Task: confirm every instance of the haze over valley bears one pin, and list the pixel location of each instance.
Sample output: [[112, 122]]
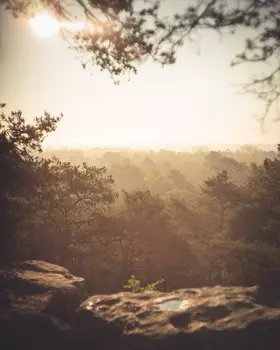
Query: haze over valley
[[139, 174]]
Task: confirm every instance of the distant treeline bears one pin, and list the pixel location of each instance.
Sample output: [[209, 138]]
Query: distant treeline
[[194, 219]]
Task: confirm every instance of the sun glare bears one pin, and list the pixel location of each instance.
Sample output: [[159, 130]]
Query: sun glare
[[44, 25]]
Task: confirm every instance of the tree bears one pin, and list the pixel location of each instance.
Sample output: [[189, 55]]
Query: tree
[[224, 191], [69, 203], [177, 178], [127, 176], [19, 143], [147, 243], [189, 222], [130, 32], [218, 162], [48, 207], [264, 208], [257, 219], [121, 37], [149, 167]]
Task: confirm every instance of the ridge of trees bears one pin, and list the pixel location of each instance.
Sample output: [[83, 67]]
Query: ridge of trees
[[192, 219]]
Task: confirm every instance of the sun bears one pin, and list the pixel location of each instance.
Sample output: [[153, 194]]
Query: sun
[[44, 25]]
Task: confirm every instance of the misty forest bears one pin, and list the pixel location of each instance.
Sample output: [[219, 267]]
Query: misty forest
[[194, 219], [187, 219]]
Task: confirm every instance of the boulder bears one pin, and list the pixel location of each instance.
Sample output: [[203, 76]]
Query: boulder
[[212, 318], [41, 308], [37, 306]]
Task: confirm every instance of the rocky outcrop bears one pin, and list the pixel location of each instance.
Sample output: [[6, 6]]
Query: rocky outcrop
[[40, 309], [37, 306], [214, 318]]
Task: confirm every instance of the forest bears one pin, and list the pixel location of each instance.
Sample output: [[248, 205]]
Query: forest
[[200, 218], [194, 219]]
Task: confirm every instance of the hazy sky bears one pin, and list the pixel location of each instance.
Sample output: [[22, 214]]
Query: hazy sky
[[196, 101]]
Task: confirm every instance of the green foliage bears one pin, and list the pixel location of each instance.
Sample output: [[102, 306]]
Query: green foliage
[[135, 286]]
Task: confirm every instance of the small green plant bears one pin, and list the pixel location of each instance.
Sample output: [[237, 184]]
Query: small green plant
[[135, 286]]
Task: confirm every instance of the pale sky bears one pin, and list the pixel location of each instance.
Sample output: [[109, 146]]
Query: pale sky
[[195, 101]]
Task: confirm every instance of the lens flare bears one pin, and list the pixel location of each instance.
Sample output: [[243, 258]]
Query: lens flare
[[44, 25]]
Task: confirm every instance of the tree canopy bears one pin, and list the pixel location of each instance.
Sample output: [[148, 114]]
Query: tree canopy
[[128, 32], [167, 222]]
